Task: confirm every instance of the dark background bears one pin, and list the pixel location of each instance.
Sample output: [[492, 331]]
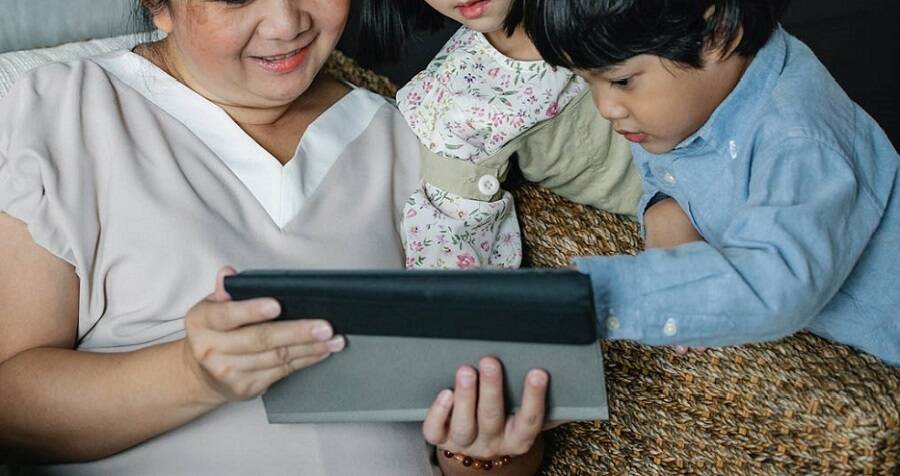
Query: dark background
[[857, 40]]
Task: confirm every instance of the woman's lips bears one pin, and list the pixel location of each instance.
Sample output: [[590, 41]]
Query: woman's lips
[[473, 9], [636, 137], [281, 64]]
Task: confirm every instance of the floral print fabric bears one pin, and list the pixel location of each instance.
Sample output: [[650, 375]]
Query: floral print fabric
[[471, 100], [444, 231], [466, 105]]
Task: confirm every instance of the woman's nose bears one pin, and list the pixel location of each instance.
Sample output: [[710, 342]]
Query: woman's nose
[[283, 20]]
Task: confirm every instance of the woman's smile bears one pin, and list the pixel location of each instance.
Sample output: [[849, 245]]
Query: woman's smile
[[281, 63]]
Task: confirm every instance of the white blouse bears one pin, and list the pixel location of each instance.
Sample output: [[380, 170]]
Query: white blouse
[[147, 189]]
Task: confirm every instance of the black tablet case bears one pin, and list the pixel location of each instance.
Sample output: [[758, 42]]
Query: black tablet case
[[407, 331]]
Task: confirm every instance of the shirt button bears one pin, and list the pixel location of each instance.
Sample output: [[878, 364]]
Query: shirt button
[[732, 149], [488, 185], [670, 329], [612, 323], [669, 178]]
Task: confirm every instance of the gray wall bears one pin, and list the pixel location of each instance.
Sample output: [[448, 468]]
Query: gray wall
[[27, 24]]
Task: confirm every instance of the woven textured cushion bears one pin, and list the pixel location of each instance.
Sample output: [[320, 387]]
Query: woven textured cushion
[[802, 405]]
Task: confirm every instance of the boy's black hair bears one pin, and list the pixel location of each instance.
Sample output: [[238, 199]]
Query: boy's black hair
[[595, 34]]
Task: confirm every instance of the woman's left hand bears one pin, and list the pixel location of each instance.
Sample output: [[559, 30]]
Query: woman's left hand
[[472, 419]]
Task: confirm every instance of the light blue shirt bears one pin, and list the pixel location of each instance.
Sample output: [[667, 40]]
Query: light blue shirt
[[795, 190]]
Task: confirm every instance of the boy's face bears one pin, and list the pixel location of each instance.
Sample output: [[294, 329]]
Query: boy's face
[[657, 103], [486, 16]]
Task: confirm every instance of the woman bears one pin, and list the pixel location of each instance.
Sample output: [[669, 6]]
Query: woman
[[150, 170]]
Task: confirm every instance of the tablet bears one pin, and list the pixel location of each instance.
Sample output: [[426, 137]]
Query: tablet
[[408, 331], [541, 306]]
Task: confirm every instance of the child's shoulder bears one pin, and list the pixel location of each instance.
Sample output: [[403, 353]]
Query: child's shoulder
[[806, 103]]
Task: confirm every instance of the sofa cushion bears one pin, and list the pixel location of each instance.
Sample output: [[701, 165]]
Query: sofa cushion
[[30, 24]]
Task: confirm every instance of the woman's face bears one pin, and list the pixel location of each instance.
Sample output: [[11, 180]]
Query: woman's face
[[251, 53]]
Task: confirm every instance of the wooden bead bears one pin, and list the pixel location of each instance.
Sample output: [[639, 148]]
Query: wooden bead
[[448, 454], [477, 464], [467, 461], [487, 466], [506, 459]]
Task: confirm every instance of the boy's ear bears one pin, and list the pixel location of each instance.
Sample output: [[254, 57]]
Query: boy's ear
[[716, 48]]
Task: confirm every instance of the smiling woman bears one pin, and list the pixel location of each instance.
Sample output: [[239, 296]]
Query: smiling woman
[[222, 144]]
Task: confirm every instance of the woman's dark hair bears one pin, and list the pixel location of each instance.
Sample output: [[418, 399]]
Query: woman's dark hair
[[595, 34]]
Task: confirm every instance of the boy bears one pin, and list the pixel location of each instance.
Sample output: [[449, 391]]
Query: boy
[[792, 186]]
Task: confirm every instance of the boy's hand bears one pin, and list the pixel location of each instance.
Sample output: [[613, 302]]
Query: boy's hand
[[668, 226]]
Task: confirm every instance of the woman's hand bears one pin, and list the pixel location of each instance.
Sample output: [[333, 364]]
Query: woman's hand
[[237, 353], [472, 419]]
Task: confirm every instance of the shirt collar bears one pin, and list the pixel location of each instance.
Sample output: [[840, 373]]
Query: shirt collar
[[750, 93], [282, 190]]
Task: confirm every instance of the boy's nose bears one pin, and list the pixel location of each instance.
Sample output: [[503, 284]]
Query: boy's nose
[[283, 20], [608, 106]]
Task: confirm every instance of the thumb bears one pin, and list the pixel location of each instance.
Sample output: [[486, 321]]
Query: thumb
[[220, 295]]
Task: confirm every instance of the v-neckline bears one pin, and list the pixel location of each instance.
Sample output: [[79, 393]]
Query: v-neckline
[[281, 189]]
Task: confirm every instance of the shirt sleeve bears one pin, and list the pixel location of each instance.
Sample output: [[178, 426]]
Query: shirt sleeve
[[579, 156], [471, 100], [442, 230], [779, 261], [471, 106], [43, 173]]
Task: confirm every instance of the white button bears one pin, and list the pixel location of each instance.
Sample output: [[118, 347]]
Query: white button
[[488, 184], [732, 149], [669, 178], [612, 323], [670, 328]]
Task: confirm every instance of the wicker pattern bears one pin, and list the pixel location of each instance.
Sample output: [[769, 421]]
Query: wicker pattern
[[344, 68], [798, 406]]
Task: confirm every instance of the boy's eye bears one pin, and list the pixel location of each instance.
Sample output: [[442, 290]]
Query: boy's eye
[[621, 83]]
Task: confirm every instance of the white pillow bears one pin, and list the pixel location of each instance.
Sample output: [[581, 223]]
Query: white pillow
[[15, 64]]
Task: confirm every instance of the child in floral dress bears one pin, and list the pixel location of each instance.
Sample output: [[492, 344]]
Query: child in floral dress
[[486, 95]]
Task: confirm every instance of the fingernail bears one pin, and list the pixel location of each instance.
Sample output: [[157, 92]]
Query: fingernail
[[336, 344], [467, 377], [537, 378], [489, 369], [445, 397], [322, 332], [271, 308]]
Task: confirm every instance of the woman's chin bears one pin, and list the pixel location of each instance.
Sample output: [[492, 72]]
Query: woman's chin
[[283, 90]]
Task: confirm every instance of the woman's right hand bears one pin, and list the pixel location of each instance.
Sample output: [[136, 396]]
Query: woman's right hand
[[235, 351]]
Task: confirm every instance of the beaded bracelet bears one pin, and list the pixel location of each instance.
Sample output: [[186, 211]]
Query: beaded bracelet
[[475, 463]]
